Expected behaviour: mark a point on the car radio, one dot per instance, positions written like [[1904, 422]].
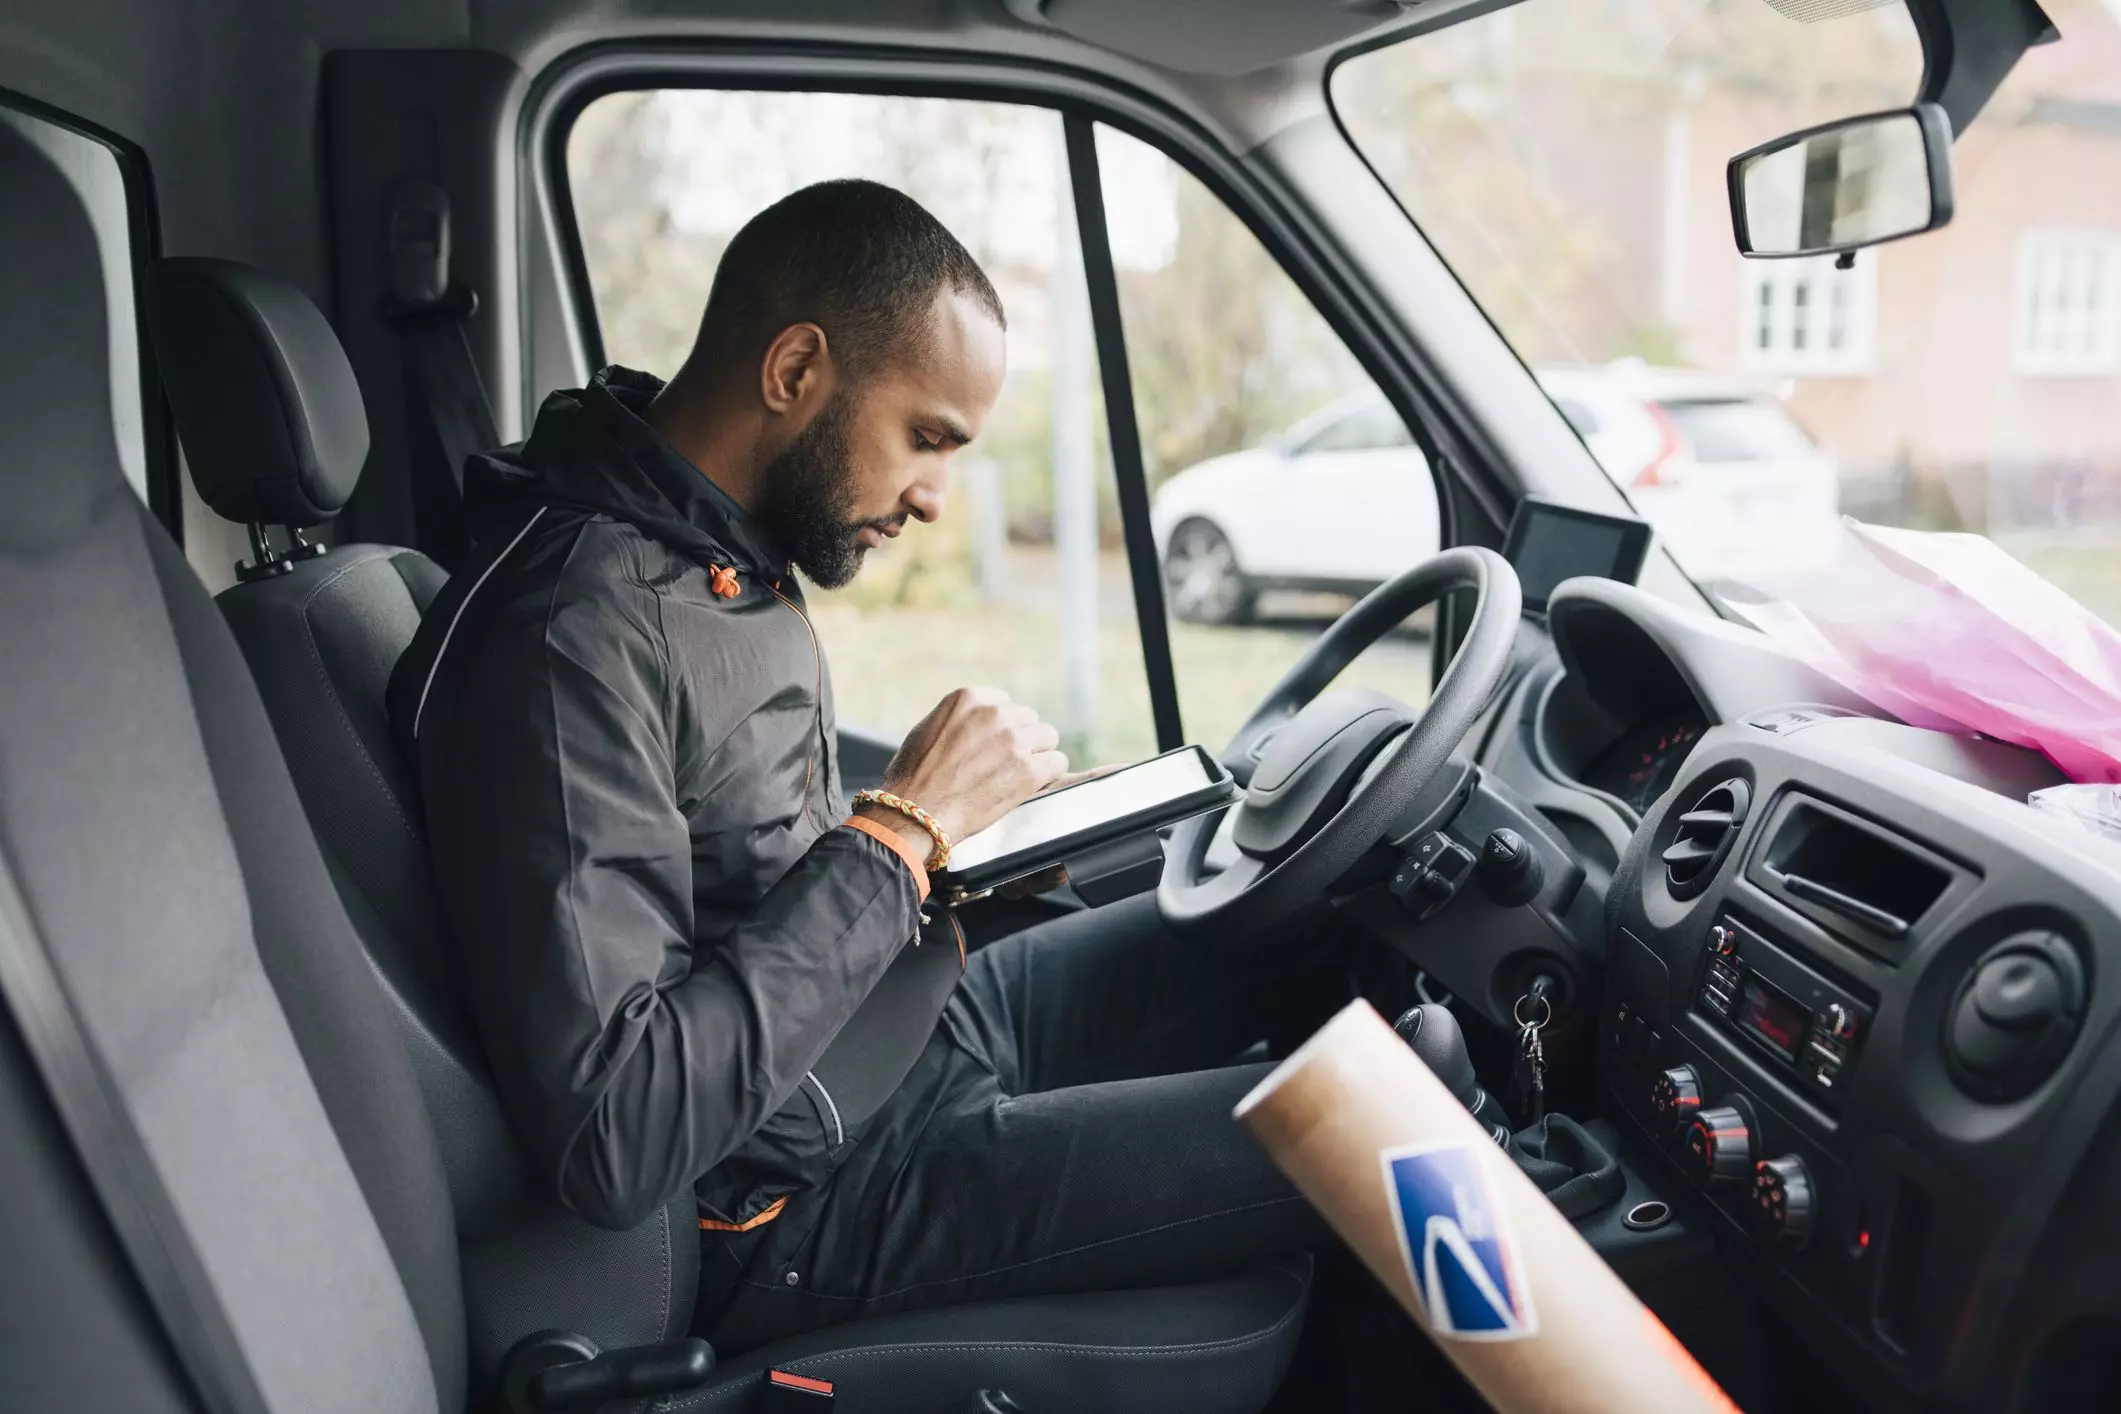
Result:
[[1804, 1025]]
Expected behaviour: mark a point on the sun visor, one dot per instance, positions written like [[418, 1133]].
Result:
[[1216, 36]]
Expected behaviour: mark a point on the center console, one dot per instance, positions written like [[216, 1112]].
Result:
[[1744, 1094], [1852, 1006]]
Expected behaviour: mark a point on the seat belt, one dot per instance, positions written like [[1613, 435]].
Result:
[[448, 415], [134, 1200]]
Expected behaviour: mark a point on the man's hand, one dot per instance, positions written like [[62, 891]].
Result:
[[972, 760]]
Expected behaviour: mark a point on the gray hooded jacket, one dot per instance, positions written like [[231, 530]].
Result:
[[670, 944]]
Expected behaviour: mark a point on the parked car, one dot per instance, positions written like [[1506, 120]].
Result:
[[1716, 464], [1731, 481], [1275, 516]]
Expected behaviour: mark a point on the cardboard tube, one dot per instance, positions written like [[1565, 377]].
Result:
[[1499, 1279]]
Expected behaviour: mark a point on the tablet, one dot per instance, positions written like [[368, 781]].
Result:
[[1049, 828]]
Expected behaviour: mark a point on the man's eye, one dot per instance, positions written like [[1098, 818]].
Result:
[[922, 442]]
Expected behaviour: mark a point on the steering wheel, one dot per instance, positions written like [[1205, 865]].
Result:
[[1326, 775]]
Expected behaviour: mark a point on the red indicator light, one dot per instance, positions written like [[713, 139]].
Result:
[[1863, 1240]]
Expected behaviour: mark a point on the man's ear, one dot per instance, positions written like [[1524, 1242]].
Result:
[[797, 369]]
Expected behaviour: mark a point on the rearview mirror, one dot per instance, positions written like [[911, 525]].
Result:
[[1844, 185]]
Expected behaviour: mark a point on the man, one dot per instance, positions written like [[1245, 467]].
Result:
[[689, 965]]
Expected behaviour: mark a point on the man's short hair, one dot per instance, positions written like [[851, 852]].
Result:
[[859, 259]]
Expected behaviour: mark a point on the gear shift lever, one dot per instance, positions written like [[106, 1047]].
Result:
[[1570, 1166], [1432, 1033]]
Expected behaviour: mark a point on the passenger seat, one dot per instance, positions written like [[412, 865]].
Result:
[[275, 434]]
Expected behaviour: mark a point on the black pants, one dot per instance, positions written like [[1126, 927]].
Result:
[[1066, 1130]]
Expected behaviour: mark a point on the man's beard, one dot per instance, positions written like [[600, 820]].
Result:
[[809, 501]]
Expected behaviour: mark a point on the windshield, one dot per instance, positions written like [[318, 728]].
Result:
[[1567, 158], [1737, 430]]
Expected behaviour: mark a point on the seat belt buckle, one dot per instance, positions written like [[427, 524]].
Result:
[[784, 1393]]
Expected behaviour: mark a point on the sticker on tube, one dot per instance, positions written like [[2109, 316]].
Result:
[[1455, 1237]]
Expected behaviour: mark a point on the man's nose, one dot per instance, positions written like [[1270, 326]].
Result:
[[924, 498]]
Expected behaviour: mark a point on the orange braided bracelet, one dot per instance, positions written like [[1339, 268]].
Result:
[[917, 815]]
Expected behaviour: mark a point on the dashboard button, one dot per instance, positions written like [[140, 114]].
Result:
[[1719, 1146], [1722, 941], [1431, 875], [1676, 1094], [1782, 1202], [1822, 1065], [1838, 1022]]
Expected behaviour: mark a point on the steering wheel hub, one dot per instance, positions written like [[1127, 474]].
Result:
[[1311, 762]]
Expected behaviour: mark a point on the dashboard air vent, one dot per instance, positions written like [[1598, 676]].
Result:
[[1707, 831]]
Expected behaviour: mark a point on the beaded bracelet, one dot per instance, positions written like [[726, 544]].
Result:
[[917, 815]]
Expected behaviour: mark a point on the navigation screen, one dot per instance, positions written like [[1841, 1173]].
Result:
[[1772, 1016], [1549, 542]]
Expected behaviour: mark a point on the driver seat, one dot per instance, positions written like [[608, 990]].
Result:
[[274, 428]]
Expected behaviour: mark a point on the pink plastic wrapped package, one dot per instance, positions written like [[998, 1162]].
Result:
[[1950, 632]]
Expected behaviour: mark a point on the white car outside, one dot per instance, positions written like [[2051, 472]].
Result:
[[1736, 488], [1340, 502], [1344, 500]]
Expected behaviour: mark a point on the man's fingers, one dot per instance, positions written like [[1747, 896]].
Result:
[[978, 697], [1048, 766], [1036, 737], [1016, 715]]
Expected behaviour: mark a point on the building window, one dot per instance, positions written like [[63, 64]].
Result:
[[2069, 304], [1806, 317]]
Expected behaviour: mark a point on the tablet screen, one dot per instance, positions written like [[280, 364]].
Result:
[[1043, 819]]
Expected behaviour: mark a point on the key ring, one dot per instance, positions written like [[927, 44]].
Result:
[[1538, 1025]]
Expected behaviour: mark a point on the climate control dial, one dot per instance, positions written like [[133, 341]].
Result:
[[1719, 1146], [1782, 1199], [1676, 1095]]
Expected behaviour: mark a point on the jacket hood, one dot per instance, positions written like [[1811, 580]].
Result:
[[592, 450]]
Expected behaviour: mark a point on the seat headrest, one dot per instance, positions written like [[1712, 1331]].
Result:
[[58, 452], [266, 404]]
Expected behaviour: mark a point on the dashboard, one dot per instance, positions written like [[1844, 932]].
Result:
[[1858, 997], [1644, 760]]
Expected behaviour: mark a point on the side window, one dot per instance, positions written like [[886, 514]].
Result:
[[1023, 583], [99, 179], [1281, 480], [1368, 425]]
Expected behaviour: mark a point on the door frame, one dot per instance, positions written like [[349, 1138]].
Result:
[[1465, 482]]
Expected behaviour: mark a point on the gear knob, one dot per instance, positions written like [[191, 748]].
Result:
[[1432, 1033]]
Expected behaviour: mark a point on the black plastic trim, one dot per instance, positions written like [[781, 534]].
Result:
[[1969, 48], [1124, 434]]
